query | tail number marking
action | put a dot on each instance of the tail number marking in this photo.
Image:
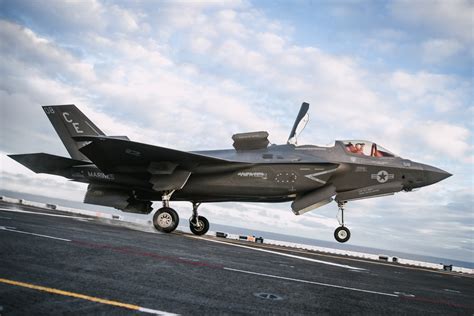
(49, 110)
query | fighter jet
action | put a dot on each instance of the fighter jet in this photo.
(129, 175)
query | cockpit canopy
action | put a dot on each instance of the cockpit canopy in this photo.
(365, 148)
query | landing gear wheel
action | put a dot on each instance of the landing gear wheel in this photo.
(201, 227)
(342, 234)
(165, 220)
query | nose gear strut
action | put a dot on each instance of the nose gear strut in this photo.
(342, 233)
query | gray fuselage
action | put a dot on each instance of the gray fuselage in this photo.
(275, 174)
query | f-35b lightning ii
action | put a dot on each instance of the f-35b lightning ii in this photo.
(128, 175)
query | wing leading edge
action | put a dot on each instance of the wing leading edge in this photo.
(119, 155)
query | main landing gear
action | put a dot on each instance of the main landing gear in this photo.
(199, 225)
(342, 233)
(166, 219)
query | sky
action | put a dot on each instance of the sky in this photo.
(188, 75)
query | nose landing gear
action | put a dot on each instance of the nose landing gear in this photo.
(342, 233)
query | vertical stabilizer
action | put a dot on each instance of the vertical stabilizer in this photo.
(69, 121)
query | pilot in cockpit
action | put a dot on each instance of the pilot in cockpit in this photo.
(359, 148)
(362, 148)
(351, 148)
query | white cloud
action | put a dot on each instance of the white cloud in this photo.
(72, 14)
(141, 68)
(124, 20)
(200, 45)
(437, 50)
(445, 138)
(449, 18)
(22, 45)
(77, 18)
(134, 52)
(238, 56)
(228, 23)
(271, 42)
(443, 92)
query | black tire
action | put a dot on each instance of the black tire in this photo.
(342, 234)
(202, 228)
(165, 220)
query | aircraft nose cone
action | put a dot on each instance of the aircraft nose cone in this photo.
(433, 174)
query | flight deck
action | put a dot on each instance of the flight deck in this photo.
(53, 263)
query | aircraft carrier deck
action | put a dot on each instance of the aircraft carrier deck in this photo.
(56, 263)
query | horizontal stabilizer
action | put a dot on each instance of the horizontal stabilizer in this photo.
(46, 163)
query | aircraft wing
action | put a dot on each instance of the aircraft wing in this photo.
(119, 155)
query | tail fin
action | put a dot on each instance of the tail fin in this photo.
(69, 121)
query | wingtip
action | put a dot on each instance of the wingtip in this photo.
(13, 156)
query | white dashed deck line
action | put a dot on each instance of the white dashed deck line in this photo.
(33, 234)
(281, 254)
(310, 282)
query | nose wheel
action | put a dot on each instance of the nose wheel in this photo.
(199, 225)
(342, 233)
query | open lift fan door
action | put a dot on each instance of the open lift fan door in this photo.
(249, 141)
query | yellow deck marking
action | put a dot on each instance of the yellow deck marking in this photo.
(84, 297)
